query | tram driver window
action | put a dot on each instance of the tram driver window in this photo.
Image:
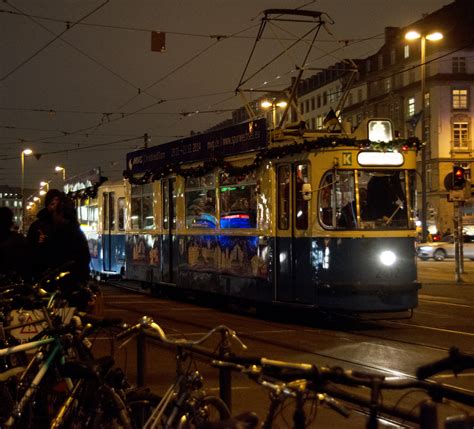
(238, 200)
(386, 204)
(201, 202)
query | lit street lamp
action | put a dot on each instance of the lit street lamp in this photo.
(414, 35)
(24, 152)
(266, 104)
(44, 188)
(59, 168)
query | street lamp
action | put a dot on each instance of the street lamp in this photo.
(273, 104)
(44, 188)
(24, 152)
(59, 168)
(414, 35)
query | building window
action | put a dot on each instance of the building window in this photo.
(312, 103)
(459, 97)
(302, 108)
(393, 56)
(459, 64)
(318, 101)
(325, 98)
(460, 134)
(406, 51)
(367, 65)
(319, 123)
(427, 100)
(380, 62)
(359, 95)
(388, 84)
(307, 106)
(411, 106)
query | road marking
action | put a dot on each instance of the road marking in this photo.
(452, 304)
(463, 374)
(430, 328)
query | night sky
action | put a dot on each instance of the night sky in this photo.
(84, 95)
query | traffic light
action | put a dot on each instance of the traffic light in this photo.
(459, 178)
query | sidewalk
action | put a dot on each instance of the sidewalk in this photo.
(438, 279)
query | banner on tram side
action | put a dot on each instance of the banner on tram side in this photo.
(233, 140)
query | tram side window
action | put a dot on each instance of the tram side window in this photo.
(200, 197)
(238, 199)
(109, 212)
(88, 215)
(337, 204)
(283, 197)
(121, 213)
(302, 176)
(169, 207)
(142, 207)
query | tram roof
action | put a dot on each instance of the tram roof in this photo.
(247, 137)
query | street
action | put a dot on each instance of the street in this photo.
(391, 345)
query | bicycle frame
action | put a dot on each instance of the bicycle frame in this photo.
(43, 369)
(181, 389)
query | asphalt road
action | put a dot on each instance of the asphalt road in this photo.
(388, 345)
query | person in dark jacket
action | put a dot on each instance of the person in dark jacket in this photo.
(56, 239)
(14, 250)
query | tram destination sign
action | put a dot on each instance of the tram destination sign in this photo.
(233, 140)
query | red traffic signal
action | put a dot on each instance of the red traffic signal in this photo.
(459, 177)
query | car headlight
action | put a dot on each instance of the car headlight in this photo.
(388, 258)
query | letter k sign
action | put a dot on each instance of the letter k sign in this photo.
(346, 158)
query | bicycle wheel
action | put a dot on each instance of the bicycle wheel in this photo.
(141, 404)
(204, 411)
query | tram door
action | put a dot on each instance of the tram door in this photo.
(109, 226)
(169, 259)
(293, 244)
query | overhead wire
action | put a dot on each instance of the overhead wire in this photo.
(38, 51)
(138, 29)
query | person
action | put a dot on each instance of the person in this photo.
(14, 249)
(56, 239)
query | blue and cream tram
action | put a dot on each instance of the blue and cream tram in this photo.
(101, 213)
(317, 219)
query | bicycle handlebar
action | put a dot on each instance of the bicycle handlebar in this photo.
(457, 362)
(320, 376)
(148, 323)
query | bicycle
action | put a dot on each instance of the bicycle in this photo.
(185, 404)
(303, 382)
(34, 394)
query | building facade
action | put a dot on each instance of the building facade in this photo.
(11, 198)
(389, 84)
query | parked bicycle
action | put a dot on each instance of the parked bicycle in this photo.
(185, 404)
(341, 391)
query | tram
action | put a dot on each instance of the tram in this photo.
(100, 207)
(291, 216)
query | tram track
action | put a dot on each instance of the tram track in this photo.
(262, 337)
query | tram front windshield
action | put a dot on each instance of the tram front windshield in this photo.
(366, 199)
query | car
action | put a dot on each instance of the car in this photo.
(440, 250)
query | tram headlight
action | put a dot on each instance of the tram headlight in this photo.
(388, 258)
